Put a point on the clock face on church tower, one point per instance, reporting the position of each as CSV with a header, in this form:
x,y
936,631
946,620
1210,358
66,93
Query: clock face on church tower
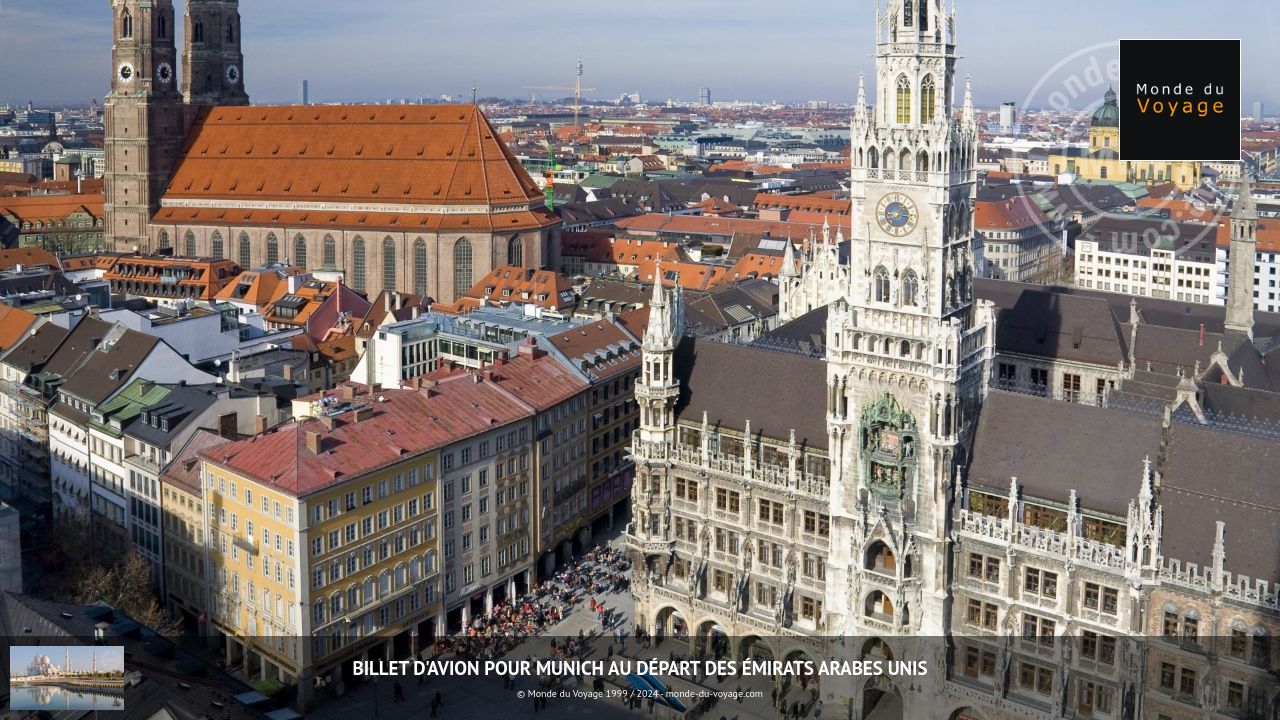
x,y
233,74
896,214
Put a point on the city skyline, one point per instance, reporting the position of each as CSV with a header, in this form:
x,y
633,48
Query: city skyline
x,y
109,657
55,54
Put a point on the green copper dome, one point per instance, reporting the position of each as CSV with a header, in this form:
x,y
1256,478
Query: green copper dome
x,y
1109,114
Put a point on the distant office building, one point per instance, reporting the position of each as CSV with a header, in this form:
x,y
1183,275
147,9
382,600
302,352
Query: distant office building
x,y
304,92
704,96
1257,111
1008,115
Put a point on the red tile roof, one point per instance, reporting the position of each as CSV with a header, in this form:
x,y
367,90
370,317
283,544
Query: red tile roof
x,y
406,155
455,405
27,257
1015,213
46,208
14,325
546,289
1268,234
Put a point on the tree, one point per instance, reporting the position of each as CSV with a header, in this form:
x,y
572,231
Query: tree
x,y
127,587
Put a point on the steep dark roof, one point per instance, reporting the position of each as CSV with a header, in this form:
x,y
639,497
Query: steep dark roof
x,y
1213,475
806,334
776,391
1069,327
81,341
37,349
1053,447
111,367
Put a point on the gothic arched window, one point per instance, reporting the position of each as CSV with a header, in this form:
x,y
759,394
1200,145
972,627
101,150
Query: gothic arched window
x,y
515,252
273,249
908,15
164,238
461,267
881,284
126,25
922,161
162,26
197,31
330,258
357,263
924,15
910,288
388,263
231,31
217,250
300,251
928,94
244,258
189,244
873,158
904,99
420,267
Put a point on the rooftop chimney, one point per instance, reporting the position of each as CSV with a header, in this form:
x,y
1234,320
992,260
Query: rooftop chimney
x,y
228,424
315,442
259,424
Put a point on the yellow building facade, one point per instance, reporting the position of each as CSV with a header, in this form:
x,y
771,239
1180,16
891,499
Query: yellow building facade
x,y
1101,162
326,562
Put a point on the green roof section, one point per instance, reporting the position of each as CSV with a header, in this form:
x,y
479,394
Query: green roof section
x,y
128,404
600,180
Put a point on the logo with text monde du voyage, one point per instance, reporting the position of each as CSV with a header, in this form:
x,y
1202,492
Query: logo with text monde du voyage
x,y
1179,100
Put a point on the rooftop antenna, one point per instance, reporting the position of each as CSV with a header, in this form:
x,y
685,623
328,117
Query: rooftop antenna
x,y
473,92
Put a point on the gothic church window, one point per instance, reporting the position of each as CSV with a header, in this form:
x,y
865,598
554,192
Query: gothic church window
x,y
126,25
461,266
910,288
904,99
881,284
162,26
197,31
244,256
357,263
189,244
300,251
420,267
217,252
908,14
515,252
928,95
231,31
273,249
164,239
330,259
388,263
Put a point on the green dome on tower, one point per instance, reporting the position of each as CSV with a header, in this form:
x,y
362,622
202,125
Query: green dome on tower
x,y
1109,114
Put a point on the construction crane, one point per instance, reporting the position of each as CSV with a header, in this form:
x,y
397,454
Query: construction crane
x,y
577,91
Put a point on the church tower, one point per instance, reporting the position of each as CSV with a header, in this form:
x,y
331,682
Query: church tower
x,y
143,117
907,348
1243,254
212,63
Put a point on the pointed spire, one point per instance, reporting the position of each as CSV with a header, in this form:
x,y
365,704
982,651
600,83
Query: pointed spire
x,y
659,297
826,231
1247,210
860,107
968,99
789,262
1147,492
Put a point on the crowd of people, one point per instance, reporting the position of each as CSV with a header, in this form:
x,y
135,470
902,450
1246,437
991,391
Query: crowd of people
x,y
509,623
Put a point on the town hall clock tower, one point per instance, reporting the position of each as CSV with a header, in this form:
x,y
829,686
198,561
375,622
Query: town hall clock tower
x,y
907,347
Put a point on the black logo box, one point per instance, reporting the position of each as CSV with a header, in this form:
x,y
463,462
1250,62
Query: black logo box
x,y
1188,65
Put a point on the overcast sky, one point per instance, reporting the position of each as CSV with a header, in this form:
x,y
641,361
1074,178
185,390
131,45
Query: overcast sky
x,y
55,51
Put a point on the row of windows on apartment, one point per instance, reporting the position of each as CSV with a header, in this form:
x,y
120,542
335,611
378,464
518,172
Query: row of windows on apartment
x,y
510,555
371,556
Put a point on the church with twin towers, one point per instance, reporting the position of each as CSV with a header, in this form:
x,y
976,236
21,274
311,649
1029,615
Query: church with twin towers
x,y
422,199
911,467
